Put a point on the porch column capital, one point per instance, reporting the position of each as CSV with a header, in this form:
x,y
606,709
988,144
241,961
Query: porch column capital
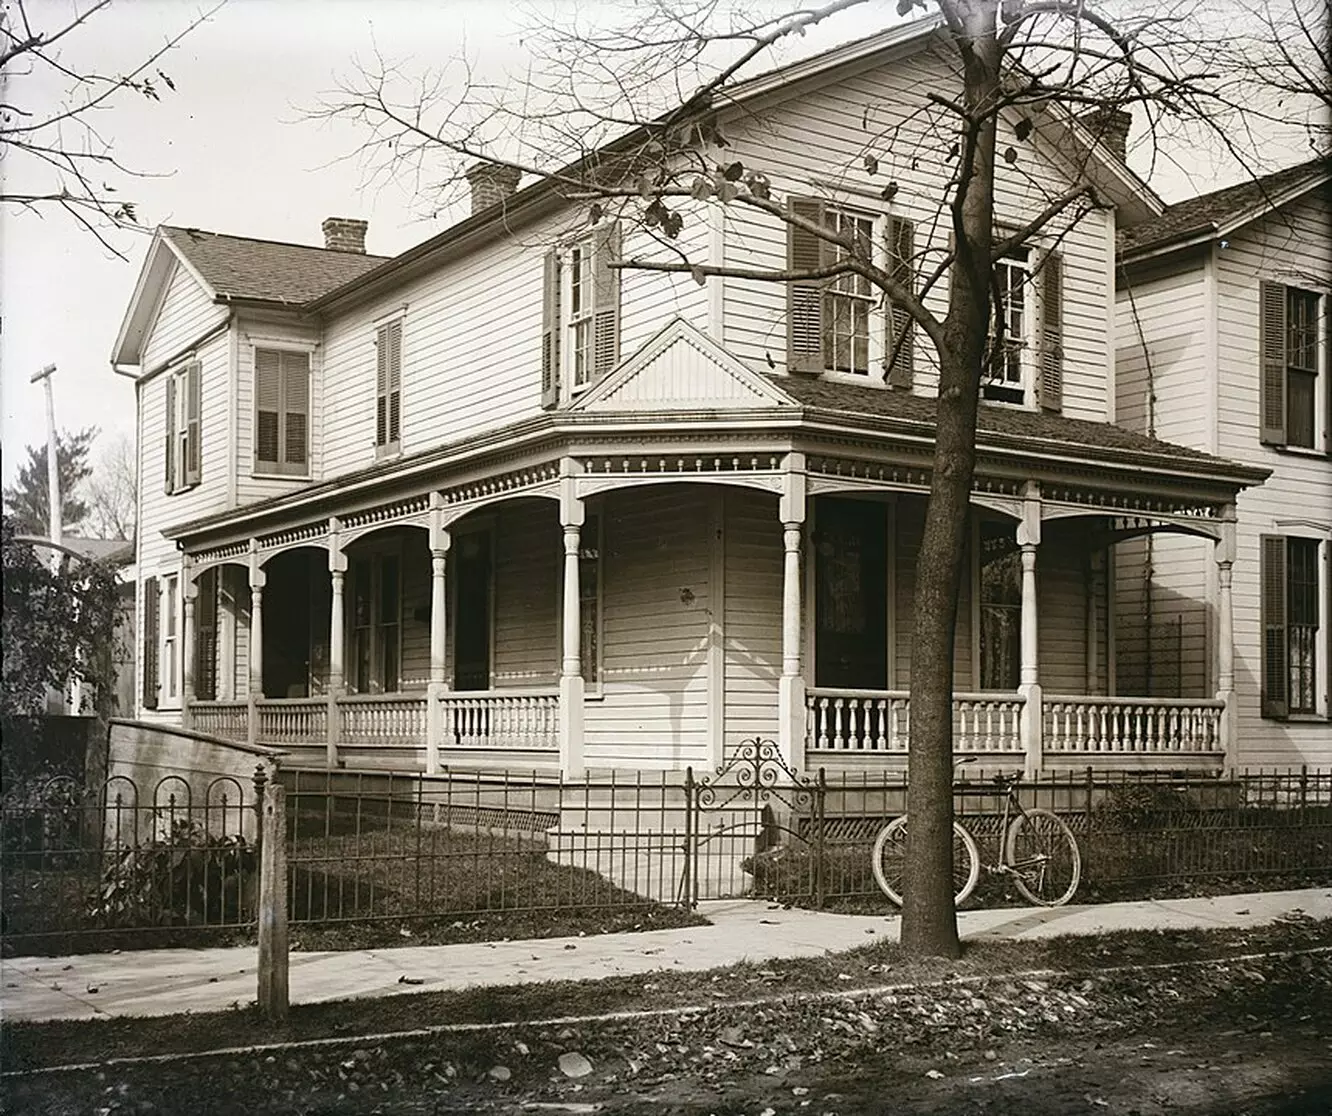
x,y
795,487
1029,525
440,539
1224,550
337,557
571,504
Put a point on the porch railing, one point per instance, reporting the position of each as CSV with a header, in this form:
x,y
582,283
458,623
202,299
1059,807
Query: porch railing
x,y
227,719
293,721
379,719
880,721
528,719
1127,724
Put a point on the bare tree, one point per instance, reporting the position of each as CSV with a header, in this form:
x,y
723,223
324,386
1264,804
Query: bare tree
x,y
622,115
112,490
53,154
1290,56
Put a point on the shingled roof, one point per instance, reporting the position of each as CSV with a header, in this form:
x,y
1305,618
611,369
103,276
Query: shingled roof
x,y
237,267
1070,433
1222,209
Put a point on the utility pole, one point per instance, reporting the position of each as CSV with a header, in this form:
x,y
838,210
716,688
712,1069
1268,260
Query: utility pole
x,y
53,510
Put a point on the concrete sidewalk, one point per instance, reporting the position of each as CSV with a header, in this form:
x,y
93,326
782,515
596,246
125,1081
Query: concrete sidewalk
x,y
167,981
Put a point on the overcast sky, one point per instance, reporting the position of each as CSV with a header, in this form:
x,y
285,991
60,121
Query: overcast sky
x,y
233,155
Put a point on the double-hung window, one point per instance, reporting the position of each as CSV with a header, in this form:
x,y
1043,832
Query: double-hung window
x,y
1000,606
1293,343
589,599
1295,573
1024,359
580,339
170,640
282,412
376,624
388,387
182,456
842,323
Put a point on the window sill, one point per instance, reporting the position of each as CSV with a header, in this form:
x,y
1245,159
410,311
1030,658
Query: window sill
x,y
256,474
389,452
861,379
1311,452
1015,398
184,488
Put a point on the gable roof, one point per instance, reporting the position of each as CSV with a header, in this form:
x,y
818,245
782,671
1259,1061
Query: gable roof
x,y
1222,211
239,267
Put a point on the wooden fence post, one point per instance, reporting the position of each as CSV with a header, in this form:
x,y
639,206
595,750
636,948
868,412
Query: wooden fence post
x,y
273,960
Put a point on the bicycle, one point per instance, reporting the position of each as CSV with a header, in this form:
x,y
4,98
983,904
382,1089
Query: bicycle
x,y
1039,852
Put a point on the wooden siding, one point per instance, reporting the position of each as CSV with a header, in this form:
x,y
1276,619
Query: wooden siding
x,y
653,711
1293,245
805,143
186,313
753,616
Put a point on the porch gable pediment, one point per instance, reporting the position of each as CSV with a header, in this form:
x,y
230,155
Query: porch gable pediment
x,y
681,368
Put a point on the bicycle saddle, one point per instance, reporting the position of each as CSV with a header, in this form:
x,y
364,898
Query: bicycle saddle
x,y
1010,780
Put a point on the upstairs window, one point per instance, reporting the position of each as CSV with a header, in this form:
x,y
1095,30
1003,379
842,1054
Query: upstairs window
x,y
580,338
1024,360
282,412
388,388
1296,404
844,324
182,455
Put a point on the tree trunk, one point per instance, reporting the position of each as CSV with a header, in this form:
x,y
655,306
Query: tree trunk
x,y
929,917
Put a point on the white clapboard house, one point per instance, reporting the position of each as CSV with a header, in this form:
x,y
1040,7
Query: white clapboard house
x,y
1223,343
493,503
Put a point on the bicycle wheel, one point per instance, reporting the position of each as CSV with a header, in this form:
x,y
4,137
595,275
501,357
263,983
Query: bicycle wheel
x,y
1043,858
890,854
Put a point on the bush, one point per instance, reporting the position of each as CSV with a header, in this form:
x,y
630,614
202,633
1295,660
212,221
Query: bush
x,y
189,877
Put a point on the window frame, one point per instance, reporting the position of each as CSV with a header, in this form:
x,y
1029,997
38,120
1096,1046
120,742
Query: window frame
x,y
183,406
169,670
1277,624
593,531
266,469
841,288
1020,351
373,557
575,331
1277,372
1005,530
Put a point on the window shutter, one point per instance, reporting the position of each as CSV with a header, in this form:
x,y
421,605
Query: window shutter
x,y
804,297
550,331
1051,367
605,300
901,334
169,458
296,409
268,405
150,638
1272,360
388,384
193,411
1276,676
1326,303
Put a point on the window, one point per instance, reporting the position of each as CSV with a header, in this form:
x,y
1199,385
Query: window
x,y
844,324
388,387
282,412
1024,361
170,663
151,644
1296,404
182,451
589,598
376,614
205,636
580,340
1296,646
851,594
1000,600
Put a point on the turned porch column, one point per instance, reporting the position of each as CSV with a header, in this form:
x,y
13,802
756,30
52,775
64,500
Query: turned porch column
x,y
440,541
571,669
257,579
791,685
189,592
337,641
1029,685
1224,554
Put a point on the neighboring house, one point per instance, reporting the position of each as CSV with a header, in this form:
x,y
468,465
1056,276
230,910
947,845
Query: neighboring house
x,y
1223,345
495,503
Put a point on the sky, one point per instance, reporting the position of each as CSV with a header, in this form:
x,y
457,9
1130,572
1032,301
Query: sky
x,y
231,150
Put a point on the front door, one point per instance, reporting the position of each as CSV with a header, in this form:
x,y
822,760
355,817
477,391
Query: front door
x,y
473,577
851,595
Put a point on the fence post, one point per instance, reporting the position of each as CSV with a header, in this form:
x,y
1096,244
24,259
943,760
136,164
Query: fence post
x,y
821,794
260,783
686,889
273,960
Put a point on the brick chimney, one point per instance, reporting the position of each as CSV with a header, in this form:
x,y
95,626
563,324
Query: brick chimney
x,y
344,234
1110,128
491,184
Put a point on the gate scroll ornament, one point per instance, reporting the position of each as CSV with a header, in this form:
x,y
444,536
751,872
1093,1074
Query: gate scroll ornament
x,y
770,797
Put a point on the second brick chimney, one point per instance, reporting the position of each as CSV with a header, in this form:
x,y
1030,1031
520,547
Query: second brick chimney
x,y
491,183
1110,128
344,234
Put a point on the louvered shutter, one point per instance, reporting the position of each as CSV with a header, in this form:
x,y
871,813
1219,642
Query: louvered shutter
x,y
901,334
150,642
1272,363
169,457
605,300
193,411
296,410
550,331
1276,675
267,407
805,251
1326,304
1051,352
205,629
388,384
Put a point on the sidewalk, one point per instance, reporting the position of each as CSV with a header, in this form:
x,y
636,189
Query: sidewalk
x,y
164,982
